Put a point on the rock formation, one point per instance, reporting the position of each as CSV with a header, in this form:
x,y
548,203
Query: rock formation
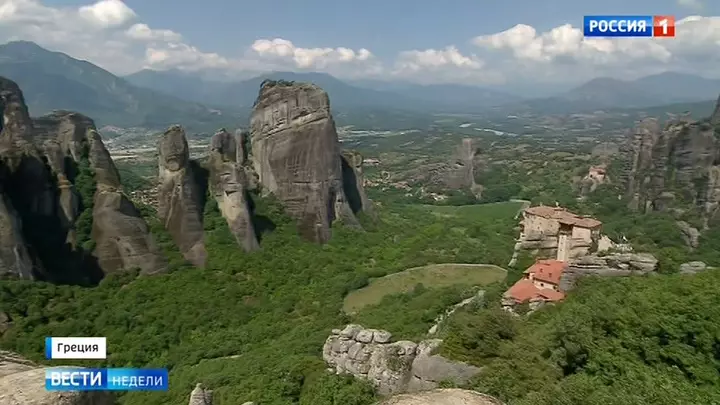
x,y
395,367
693,267
679,164
354,182
690,234
448,396
461,172
41,160
228,186
180,198
23,383
200,396
612,265
596,176
296,154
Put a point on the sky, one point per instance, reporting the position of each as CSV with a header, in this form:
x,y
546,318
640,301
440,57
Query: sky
x,y
479,42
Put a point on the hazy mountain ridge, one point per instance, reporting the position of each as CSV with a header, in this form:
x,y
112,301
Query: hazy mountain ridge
x,y
53,80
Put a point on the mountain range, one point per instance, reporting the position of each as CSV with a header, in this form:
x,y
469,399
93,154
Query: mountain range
x,y
156,99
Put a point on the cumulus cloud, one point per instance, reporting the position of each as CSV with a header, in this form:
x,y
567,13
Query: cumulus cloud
x,y
107,13
112,35
564,51
142,32
304,58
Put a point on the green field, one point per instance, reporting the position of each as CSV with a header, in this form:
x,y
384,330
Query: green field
x,y
431,276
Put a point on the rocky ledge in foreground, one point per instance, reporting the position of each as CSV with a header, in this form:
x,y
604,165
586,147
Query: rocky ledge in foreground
x,y
450,396
23,383
392,367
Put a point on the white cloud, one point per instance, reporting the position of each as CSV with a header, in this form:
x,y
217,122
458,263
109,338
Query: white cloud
x,y
142,32
305,58
111,35
107,13
564,53
691,4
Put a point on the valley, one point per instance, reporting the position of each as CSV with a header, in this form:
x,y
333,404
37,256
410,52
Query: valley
x,y
253,260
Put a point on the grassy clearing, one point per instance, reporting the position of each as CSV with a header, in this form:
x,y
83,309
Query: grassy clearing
x,y
431,276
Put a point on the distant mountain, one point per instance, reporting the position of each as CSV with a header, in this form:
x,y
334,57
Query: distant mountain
x,y
608,93
54,81
343,95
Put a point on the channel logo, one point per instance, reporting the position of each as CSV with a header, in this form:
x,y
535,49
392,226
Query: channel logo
x,y
105,379
656,26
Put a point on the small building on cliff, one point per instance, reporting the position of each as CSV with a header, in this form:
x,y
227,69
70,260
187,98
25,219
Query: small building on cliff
x,y
540,284
556,233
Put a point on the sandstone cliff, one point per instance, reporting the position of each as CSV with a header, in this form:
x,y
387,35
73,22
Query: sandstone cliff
x,y
41,162
675,166
180,199
395,367
23,383
296,154
228,185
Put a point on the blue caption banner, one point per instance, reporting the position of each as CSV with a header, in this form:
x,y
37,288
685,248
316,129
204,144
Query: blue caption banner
x,y
618,26
105,379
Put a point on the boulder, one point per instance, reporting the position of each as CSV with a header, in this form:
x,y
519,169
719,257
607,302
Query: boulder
x,y
449,396
180,197
228,186
296,154
201,396
693,267
691,235
23,383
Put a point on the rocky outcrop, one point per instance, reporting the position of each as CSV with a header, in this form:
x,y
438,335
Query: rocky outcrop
x,y
461,171
228,186
392,367
122,237
354,182
679,164
693,267
612,265
448,396
23,383
296,155
201,396
691,235
180,198
41,162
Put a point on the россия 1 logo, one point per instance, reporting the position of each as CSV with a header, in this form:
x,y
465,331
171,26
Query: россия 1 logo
x,y
658,26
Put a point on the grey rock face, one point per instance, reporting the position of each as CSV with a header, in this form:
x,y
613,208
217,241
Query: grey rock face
x,y
450,396
691,235
392,368
613,265
228,186
683,157
15,261
200,396
23,383
461,173
179,196
122,237
296,155
354,182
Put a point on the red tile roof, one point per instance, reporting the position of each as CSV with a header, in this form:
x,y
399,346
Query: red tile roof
x,y
525,290
563,216
548,271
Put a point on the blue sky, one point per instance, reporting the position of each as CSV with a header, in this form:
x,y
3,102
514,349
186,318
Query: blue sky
x,y
383,26
487,42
